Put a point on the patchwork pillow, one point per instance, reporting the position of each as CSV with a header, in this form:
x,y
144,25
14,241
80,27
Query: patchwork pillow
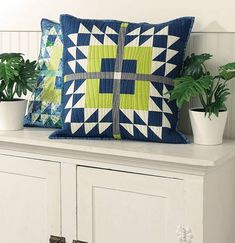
x,y
45,107
117,76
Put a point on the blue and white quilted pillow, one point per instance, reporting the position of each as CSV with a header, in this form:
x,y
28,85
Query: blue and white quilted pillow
x,y
45,105
116,76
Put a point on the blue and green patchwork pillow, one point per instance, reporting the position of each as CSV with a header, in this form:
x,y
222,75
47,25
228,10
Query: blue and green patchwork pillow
x,y
117,76
45,107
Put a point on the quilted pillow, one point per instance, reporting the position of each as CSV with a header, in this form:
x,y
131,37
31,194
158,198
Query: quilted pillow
x,y
116,78
45,107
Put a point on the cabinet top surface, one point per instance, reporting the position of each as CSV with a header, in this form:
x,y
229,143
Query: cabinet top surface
x,y
188,154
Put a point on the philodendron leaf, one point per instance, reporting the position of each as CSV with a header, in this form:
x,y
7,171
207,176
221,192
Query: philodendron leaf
x,y
221,95
186,87
227,71
7,72
16,75
18,90
193,65
2,86
9,56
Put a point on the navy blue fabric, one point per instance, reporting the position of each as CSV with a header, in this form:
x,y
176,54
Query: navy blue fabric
x,y
75,122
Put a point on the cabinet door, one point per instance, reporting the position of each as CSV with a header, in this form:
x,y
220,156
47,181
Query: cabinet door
x,y
29,200
116,207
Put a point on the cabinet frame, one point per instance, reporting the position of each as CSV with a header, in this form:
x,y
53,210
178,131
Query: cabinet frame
x,y
47,172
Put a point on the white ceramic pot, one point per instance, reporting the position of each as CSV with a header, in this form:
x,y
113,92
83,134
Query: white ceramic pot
x,y
207,131
12,114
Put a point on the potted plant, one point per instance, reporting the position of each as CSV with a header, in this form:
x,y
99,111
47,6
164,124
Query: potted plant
x,y
17,76
208,121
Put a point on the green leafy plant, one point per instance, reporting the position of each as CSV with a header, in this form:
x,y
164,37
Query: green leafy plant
x,y
196,80
17,76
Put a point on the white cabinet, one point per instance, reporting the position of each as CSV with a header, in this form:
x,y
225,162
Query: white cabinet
x,y
100,191
29,200
125,207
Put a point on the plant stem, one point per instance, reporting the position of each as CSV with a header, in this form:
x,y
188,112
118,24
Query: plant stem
x,y
13,95
9,93
213,90
202,102
4,97
205,69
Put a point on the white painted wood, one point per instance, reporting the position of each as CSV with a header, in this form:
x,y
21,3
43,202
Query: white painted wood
x,y
219,204
194,206
26,42
105,162
122,207
69,201
199,191
190,154
210,15
29,200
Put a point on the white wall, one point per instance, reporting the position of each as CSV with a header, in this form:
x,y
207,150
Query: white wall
x,y
212,15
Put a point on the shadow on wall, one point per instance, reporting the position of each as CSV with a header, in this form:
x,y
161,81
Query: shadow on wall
x,y
184,121
214,27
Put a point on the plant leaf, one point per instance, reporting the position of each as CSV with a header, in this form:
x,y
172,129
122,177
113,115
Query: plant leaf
x,y
193,65
7,72
16,75
221,95
186,87
227,71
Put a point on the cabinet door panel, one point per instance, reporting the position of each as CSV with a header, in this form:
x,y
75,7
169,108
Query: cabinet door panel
x,y
29,200
123,207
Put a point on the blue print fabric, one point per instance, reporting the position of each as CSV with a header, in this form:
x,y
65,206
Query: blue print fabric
x,y
45,105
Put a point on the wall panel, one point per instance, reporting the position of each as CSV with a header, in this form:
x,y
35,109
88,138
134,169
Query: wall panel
x,y
211,15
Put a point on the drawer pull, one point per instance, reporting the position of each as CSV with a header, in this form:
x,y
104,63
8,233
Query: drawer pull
x,y
79,241
184,234
56,239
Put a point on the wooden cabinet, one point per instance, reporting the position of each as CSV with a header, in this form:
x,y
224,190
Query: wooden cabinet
x,y
125,207
29,200
114,191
